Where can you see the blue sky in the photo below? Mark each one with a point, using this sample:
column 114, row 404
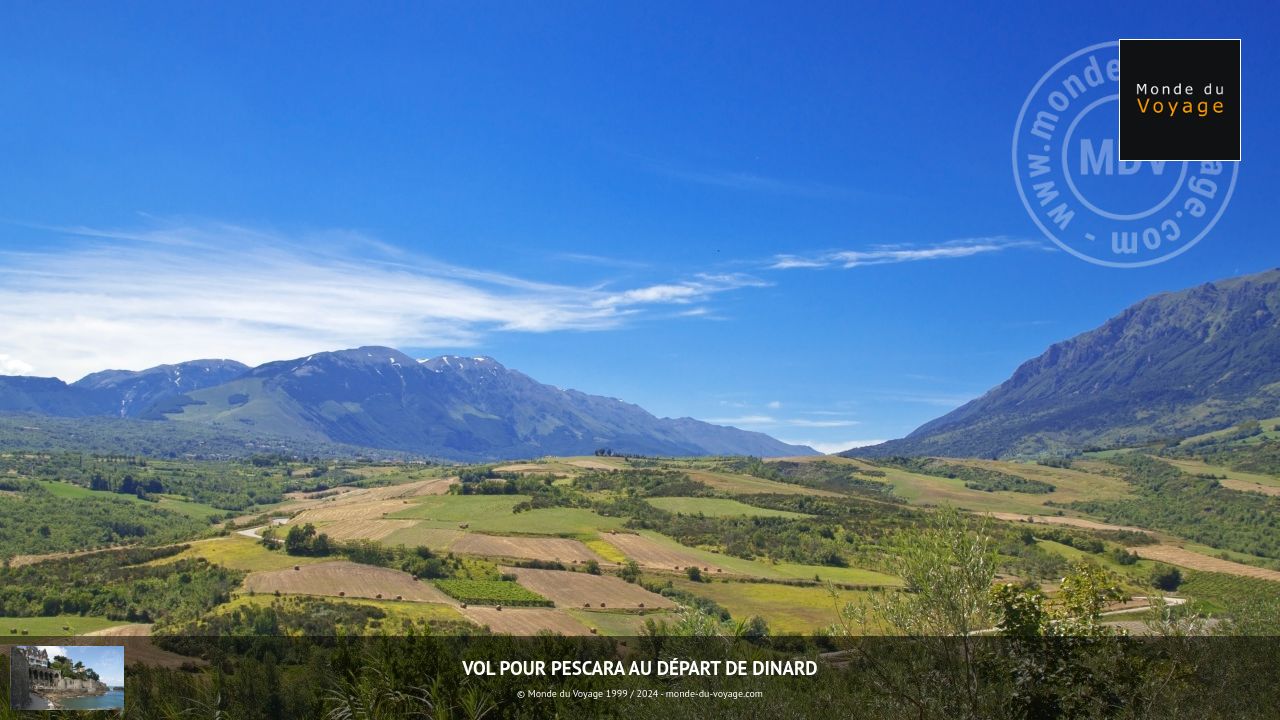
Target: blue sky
column 610, row 197
column 107, row 661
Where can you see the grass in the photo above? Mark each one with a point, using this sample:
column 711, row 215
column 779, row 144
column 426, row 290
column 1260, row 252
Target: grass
column 1220, row 592
column 751, row 485
column 716, row 507
column 783, row 570
column 188, row 508
column 492, row 592
column 1136, row 573
column 1243, row 480
column 52, row 626
column 1267, row 432
column 396, row 610
column 1243, row 558
column 605, row 550
column 618, row 624
column 71, row 491
column 493, row 514
column 789, row 610
column 436, row 538
column 1069, row 485
column 238, row 552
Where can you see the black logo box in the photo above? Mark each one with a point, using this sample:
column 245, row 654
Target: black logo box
column 1186, row 68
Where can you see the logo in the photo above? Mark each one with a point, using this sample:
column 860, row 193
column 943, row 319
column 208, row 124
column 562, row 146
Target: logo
column 1104, row 210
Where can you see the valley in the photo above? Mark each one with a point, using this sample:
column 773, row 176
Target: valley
column 592, row 545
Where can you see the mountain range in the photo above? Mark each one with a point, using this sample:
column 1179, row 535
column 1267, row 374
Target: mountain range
column 456, row 408
column 1172, row 365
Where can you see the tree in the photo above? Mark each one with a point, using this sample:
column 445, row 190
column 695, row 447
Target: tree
column 948, row 567
column 1021, row 611
column 299, row 539
column 1061, row 659
column 1084, row 595
column 630, row 571
column 1166, row 577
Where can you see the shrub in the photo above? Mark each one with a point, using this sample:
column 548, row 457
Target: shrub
column 1166, row 577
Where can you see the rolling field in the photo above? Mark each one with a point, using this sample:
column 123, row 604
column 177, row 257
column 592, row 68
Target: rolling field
column 369, row 529
column 493, row 514
column 348, row 507
column 1221, row 590
column 418, row 488
column 788, row 609
column 491, row 592
column 1137, row 575
column 340, row 578
column 1069, row 485
column 1235, row 479
column 238, row 552
column 619, row 624
column 1062, row 520
column 405, row 610
column 651, row 553
column 825, row 573
column 597, row 463
column 419, row 534
column 751, row 485
column 716, row 507
column 525, row 622
column 578, row 590
column 609, row 552
column 1268, row 431
column 1230, row 554
column 396, row 610
column 1195, row 561
column 364, row 503
column 531, row 548
column 666, row 554
column 52, row 626
column 164, row 502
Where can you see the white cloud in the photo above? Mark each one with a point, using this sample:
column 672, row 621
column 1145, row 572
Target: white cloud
column 136, row 299
column 829, row 447
column 13, row 366
column 791, row 262
column 682, row 293
column 892, row 254
column 774, row 405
